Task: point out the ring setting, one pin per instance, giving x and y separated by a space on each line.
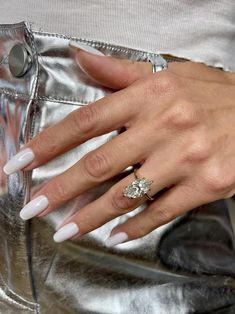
138 188
159 63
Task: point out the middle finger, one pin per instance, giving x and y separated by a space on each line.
94 168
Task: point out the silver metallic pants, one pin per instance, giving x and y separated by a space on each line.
186 266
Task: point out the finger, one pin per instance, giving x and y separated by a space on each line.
113 203
199 71
94 168
112 72
103 116
119 73
173 203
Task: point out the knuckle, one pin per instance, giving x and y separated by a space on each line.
149 224
61 193
217 181
152 220
163 216
84 119
198 148
45 142
183 114
120 203
143 230
97 165
162 82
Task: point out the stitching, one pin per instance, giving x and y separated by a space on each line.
28 35
110 46
3 27
29 130
94 43
27 134
42 98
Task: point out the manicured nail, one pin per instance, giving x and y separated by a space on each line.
35 207
116 239
19 161
85 47
66 232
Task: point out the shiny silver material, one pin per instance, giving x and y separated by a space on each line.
158 62
19 60
187 266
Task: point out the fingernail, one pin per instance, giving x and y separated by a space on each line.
85 47
66 232
116 239
35 207
19 161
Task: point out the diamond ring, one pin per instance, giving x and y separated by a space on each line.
159 63
138 188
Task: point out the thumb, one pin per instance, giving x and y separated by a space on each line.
111 72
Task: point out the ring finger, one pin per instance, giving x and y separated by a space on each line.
95 167
113 203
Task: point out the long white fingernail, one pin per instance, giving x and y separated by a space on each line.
35 207
66 232
116 239
85 47
19 161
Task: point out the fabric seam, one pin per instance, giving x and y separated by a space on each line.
29 305
23 96
94 43
28 131
110 46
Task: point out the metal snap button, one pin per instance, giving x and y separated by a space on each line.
19 60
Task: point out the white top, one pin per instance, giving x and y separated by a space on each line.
200 30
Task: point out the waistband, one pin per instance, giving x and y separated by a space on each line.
50 52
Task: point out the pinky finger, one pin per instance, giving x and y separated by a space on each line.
173 203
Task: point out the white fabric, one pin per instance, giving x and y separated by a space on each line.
200 30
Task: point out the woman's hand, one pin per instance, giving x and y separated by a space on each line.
180 126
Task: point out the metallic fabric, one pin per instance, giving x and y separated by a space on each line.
186 266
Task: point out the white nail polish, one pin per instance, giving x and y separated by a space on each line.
116 239
19 161
85 47
66 232
35 207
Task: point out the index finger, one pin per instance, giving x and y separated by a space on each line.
105 115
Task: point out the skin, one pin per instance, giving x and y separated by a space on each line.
187 115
